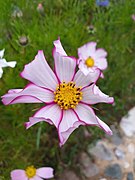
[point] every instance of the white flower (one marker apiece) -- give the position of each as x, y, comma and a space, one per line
91, 58
4, 63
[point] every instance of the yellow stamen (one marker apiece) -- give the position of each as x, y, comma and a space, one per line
30, 171
67, 95
89, 62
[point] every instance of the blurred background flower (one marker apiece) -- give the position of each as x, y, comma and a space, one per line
17, 12
40, 9
133, 17
91, 29
4, 63
102, 2
23, 40
32, 173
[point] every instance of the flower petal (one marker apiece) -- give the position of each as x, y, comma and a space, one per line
83, 81
45, 172
39, 72
100, 53
1, 72
82, 66
102, 75
58, 48
31, 94
104, 126
35, 178
87, 50
11, 64
50, 113
67, 125
93, 95
2, 53
101, 63
18, 174
86, 114
33, 120
64, 67
4, 63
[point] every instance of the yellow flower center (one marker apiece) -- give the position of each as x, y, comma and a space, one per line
89, 62
30, 171
67, 95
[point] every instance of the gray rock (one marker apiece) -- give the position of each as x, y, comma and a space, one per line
101, 152
130, 176
126, 164
116, 138
68, 175
88, 168
113, 171
127, 123
87, 134
119, 153
134, 165
131, 148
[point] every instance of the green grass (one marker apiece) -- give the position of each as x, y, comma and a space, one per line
114, 30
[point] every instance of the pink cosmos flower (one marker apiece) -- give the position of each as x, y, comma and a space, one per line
91, 58
67, 95
31, 173
40, 8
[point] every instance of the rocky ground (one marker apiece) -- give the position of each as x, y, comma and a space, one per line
112, 158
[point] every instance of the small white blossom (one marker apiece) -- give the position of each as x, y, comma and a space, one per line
4, 63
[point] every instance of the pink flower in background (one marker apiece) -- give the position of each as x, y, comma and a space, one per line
31, 173
133, 17
40, 8
91, 58
67, 95
4, 63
